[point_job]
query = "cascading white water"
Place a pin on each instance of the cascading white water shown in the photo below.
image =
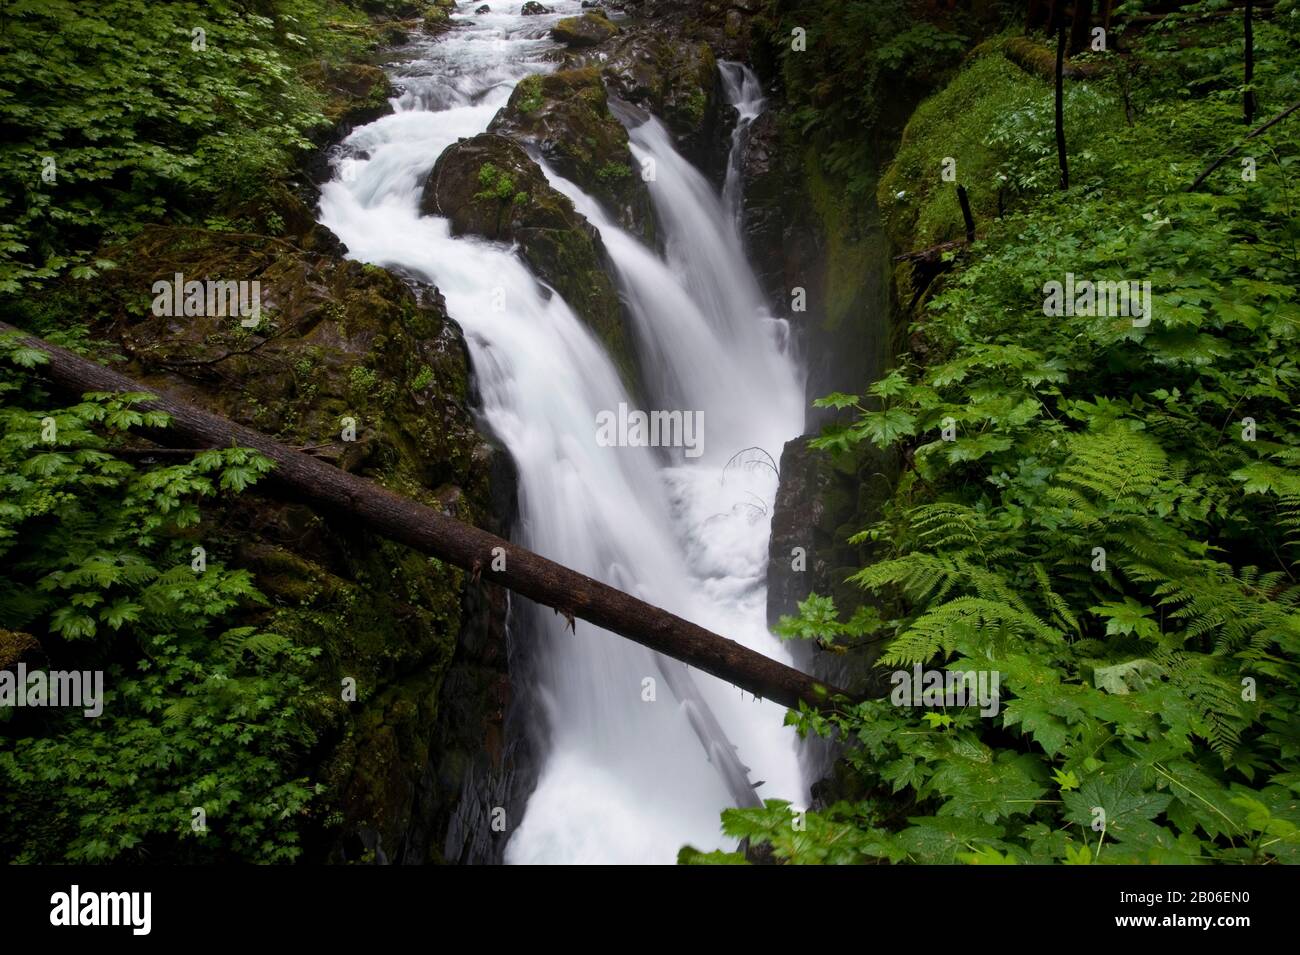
(624, 779)
(744, 93)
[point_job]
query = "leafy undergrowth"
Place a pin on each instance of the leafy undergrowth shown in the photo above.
(121, 111)
(197, 713)
(1104, 512)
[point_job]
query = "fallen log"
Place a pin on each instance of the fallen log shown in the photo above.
(933, 254)
(1036, 58)
(425, 529)
(1249, 136)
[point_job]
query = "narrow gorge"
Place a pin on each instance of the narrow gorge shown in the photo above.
(748, 309)
(635, 753)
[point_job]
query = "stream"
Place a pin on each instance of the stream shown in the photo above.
(639, 754)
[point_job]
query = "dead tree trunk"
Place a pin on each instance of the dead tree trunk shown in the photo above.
(425, 529)
(1081, 26)
(1061, 159)
(963, 200)
(1249, 104)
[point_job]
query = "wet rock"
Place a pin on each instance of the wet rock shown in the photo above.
(674, 78)
(590, 29)
(724, 26)
(489, 186)
(437, 20)
(357, 93)
(565, 117)
(801, 234)
(484, 9)
(764, 185)
(822, 500)
(532, 9)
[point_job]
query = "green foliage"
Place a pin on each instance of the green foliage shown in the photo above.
(495, 184)
(859, 54)
(613, 171)
(529, 92)
(1097, 525)
(116, 101)
(423, 378)
(96, 560)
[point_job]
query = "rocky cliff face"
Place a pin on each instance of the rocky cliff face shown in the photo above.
(812, 247)
(659, 60)
(342, 347)
(822, 501)
(800, 236)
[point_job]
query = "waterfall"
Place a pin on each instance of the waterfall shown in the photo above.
(744, 93)
(641, 754)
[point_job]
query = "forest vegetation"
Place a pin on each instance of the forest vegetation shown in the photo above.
(1104, 511)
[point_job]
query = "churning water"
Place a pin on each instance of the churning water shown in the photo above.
(623, 779)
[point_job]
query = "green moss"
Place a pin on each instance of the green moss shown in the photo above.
(530, 94)
(362, 379)
(848, 258)
(918, 207)
(612, 171)
(423, 378)
(495, 183)
(696, 104)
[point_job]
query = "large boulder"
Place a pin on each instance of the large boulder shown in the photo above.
(590, 29)
(488, 186)
(565, 116)
(676, 79)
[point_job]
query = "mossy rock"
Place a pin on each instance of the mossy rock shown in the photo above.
(336, 338)
(590, 29)
(918, 207)
(1037, 58)
(673, 77)
(488, 186)
(17, 647)
(437, 20)
(565, 116)
(356, 93)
